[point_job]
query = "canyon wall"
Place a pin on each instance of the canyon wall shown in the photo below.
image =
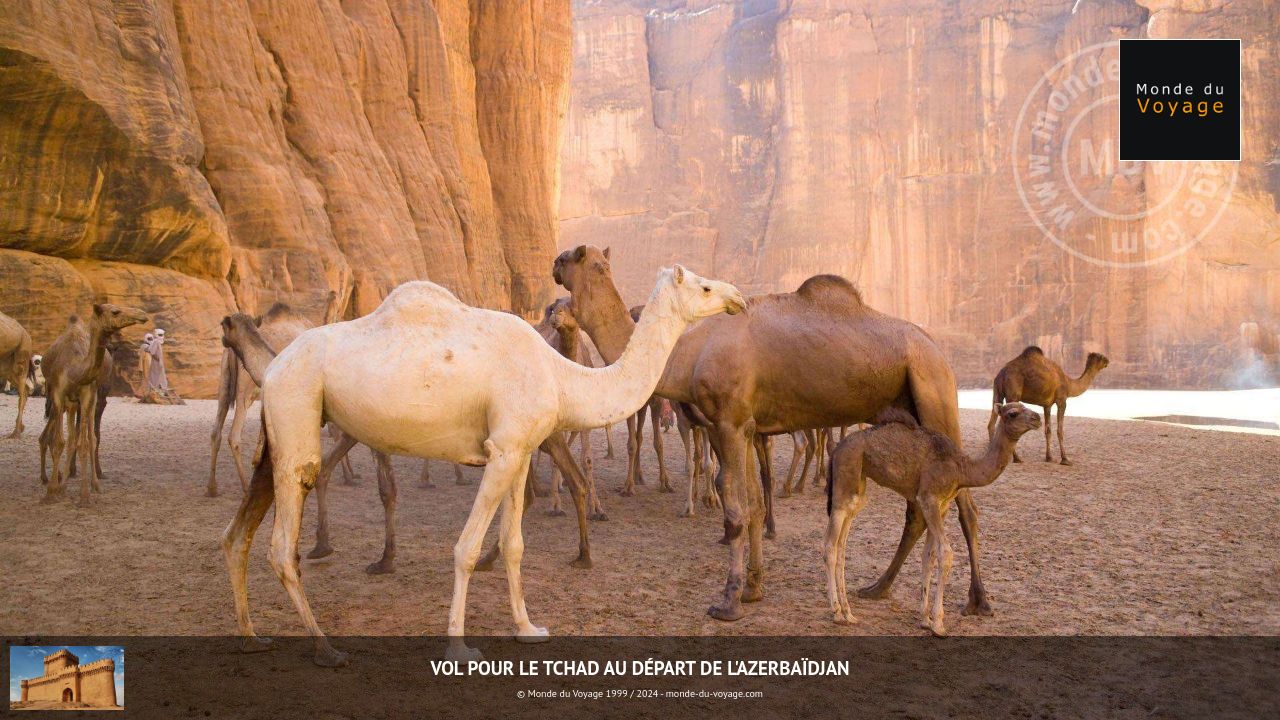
(764, 141)
(195, 157)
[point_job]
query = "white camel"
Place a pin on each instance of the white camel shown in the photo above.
(455, 383)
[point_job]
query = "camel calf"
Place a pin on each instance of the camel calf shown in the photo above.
(927, 469)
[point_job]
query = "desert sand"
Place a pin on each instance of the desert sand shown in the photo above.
(1156, 530)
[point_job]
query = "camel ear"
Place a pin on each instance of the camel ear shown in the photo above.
(98, 310)
(606, 253)
(579, 253)
(679, 274)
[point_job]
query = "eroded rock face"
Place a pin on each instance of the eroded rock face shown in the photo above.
(195, 157)
(764, 141)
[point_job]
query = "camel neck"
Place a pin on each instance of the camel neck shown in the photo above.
(605, 318)
(97, 351)
(1077, 385)
(568, 344)
(254, 353)
(985, 469)
(597, 397)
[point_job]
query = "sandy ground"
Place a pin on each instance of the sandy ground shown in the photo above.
(1157, 529)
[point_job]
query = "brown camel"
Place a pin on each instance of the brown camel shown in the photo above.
(241, 336)
(1034, 379)
(925, 468)
(560, 328)
(278, 326)
(755, 373)
(106, 378)
(15, 364)
(73, 368)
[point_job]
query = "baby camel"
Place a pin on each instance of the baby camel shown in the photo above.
(448, 389)
(927, 469)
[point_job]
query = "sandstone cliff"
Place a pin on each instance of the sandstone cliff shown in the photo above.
(764, 141)
(191, 157)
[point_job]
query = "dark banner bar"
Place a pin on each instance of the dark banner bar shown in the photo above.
(391, 677)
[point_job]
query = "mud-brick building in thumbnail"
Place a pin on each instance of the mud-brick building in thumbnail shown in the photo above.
(66, 680)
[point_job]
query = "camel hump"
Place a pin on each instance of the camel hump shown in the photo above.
(276, 310)
(892, 415)
(418, 296)
(830, 287)
(1031, 350)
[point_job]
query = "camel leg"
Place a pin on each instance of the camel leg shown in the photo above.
(733, 444)
(690, 469)
(424, 479)
(557, 447)
(46, 437)
(99, 409)
(84, 440)
(796, 444)
(937, 563)
(588, 467)
(847, 498)
(73, 440)
(810, 449)
(226, 394)
(968, 511)
(655, 422)
(243, 401)
(556, 510)
(1062, 413)
(291, 492)
(635, 431)
(54, 427)
(860, 502)
(911, 529)
(501, 476)
(764, 455)
(21, 360)
(1048, 438)
(512, 541)
(820, 455)
(458, 478)
(608, 442)
(337, 454)
(348, 473)
(235, 547)
(926, 581)
(386, 491)
(709, 466)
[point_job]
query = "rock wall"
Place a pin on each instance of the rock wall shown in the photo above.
(193, 157)
(763, 141)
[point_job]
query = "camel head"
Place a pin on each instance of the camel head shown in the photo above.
(1096, 360)
(697, 297)
(1017, 419)
(560, 315)
(237, 326)
(115, 317)
(579, 268)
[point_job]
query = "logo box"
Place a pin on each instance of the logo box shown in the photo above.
(1179, 99)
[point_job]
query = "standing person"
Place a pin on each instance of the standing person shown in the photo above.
(144, 362)
(156, 380)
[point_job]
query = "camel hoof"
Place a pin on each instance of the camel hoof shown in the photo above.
(382, 567)
(626, 492)
(320, 551)
(666, 489)
(428, 486)
(331, 658)
(727, 613)
(13, 436)
(687, 513)
(84, 503)
(582, 562)
(752, 594)
(770, 534)
(1017, 459)
(981, 609)
(533, 634)
(463, 482)
(49, 499)
(842, 617)
(873, 592)
(1067, 462)
(938, 630)
(783, 495)
(724, 540)
(211, 493)
(598, 517)
(255, 644)
(462, 653)
(556, 512)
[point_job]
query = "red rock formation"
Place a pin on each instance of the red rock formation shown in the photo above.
(192, 157)
(765, 141)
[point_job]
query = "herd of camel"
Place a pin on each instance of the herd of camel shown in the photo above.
(485, 388)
